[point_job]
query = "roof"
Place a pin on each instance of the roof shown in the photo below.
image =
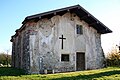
(79, 11)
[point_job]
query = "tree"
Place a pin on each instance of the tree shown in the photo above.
(113, 58)
(5, 58)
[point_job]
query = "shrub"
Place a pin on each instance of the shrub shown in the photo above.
(113, 58)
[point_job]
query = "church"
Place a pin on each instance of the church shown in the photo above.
(62, 40)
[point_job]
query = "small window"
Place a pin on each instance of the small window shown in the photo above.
(65, 57)
(79, 29)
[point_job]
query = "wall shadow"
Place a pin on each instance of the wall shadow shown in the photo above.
(9, 71)
(91, 76)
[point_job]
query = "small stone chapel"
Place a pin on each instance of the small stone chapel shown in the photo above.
(62, 40)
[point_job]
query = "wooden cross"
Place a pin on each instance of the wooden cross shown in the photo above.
(62, 40)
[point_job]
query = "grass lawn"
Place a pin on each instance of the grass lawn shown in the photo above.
(110, 73)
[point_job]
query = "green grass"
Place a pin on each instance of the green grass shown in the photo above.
(110, 73)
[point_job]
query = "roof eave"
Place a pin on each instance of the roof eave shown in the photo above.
(87, 17)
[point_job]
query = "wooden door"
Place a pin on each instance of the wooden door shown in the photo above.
(80, 61)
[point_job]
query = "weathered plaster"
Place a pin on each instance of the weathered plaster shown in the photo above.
(41, 47)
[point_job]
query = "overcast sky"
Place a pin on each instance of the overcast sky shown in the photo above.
(13, 12)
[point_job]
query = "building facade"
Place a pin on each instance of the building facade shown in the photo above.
(67, 39)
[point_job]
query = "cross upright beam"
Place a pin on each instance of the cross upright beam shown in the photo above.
(62, 38)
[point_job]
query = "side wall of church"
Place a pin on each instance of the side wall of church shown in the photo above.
(20, 51)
